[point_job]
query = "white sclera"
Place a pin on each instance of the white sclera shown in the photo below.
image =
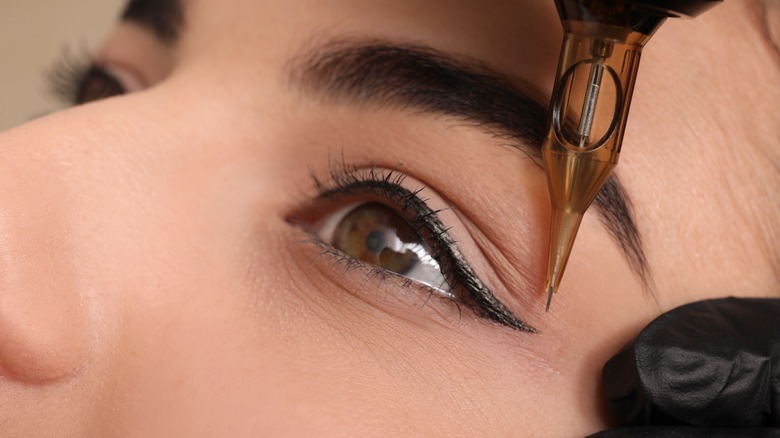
(426, 271)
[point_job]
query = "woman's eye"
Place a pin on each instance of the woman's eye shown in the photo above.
(376, 234)
(97, 84)
(75, 80)
(393, 230)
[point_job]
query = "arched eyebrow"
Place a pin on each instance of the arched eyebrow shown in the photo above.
(163, 17)
(423, 79)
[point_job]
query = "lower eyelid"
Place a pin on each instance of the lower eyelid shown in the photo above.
(363, 281)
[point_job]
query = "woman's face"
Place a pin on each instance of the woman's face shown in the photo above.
(328, 217)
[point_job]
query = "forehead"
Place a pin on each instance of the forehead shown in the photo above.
(505, 34)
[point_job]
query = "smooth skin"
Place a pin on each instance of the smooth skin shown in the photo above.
(152, 284)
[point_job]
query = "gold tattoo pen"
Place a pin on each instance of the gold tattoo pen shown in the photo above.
(602, 42)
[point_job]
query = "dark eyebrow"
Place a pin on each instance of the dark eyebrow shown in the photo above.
(423, 79)
(163, 17)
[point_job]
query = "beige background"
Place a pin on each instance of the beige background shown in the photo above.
(33, 35)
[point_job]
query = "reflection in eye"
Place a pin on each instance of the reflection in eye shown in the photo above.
(383, 226)
(376, 234)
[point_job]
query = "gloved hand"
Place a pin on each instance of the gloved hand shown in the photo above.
(710, 368)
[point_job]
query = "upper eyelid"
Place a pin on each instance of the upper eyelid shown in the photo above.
(131, 80)
(327, 227)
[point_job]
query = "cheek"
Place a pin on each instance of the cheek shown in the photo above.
(601, 306)
(375, 357)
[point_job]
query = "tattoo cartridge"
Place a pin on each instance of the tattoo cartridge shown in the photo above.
(602, 42)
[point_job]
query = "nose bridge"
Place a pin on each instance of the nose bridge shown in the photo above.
(43, 333)
(74, 191)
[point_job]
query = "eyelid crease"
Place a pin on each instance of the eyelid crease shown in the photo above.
(346, 180)
(130, 80)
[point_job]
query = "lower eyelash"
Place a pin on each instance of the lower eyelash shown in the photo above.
(372, 272)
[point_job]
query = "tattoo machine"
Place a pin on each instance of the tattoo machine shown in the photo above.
(602, 42)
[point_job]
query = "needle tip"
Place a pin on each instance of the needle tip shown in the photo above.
(550, 291)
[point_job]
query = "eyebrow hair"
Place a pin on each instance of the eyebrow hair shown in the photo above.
(415, 77)
(163, 17)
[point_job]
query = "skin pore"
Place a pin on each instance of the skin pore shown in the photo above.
(164, 271)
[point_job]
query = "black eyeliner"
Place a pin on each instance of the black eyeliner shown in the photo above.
(347, 180)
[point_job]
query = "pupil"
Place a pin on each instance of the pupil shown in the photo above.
(376, 241)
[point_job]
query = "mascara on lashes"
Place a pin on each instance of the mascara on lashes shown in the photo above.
(351, 181)
(76, 79)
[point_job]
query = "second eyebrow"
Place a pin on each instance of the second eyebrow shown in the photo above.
(163, 17)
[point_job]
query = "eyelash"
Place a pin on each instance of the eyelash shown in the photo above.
(71, 72)
(350, 181)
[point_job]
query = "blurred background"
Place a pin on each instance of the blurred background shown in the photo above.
(33, 36)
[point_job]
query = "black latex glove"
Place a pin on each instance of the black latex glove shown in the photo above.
(710, 368)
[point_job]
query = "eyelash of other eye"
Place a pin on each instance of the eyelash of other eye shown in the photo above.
(69, 74)
(346, 180)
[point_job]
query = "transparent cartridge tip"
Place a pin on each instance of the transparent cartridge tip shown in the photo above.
(596, 73)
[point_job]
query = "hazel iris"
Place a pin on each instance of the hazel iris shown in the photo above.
(376, 234)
